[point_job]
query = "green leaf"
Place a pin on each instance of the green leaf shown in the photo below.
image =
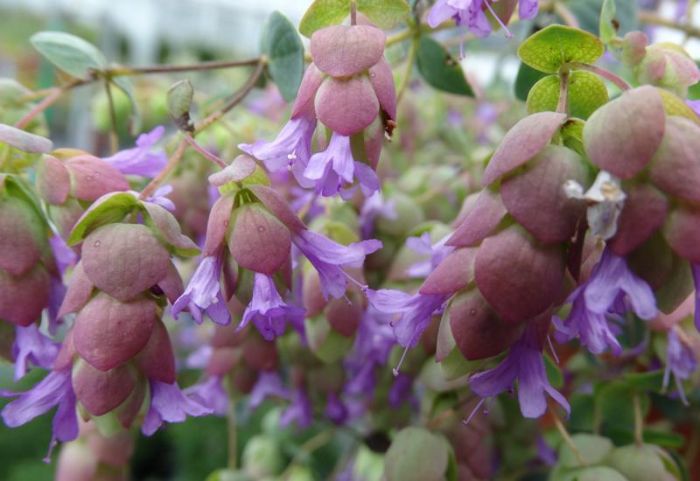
(664, 438)
(587, 93)
(607, 21)
(556, 379)
(285, 53)
(384, 13)
(125, 85)
(587, 12)
(323, 13)
(440, 69)
(527, 77)
(645, 381)
(69, 53)
(556, 45)
(110, 208)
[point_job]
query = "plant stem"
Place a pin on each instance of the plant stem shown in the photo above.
(232, 436)
(563, 105)
(314, 443)
(235, 100)
(638, 421)
(353, 12)
(154, 69)
(567, 439)
(52, 95)
(566, 14)
(208, 155)
(113, 136)
(410, 60)
(606, 74)
(163, 174)
(652, 18)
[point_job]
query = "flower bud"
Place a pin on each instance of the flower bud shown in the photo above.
(477, 330)
(535, 198)
(124, 260)
(639, 119)
(102, 391)
(667, 65)
(518, 276)
(108, 332)
(259, 241)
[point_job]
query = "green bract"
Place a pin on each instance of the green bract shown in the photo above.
(552, 47)
(322, 13)
(586, 94)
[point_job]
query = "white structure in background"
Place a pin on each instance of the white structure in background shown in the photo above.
(234, 25)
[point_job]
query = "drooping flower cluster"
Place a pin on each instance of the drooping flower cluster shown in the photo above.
(248, 256)
(349, 88)
(118, 351)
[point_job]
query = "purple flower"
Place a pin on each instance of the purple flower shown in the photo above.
(211, 394)
(411, 314)
(680, 361)
(436, 252)
(695, 105)
(610, 289)
(199, 358)
(54, 390)
(203, 293)
(159, 198)
(374, 207)
(268, 384)
(32, 347)
(373, 343)
(335, 167)
(169, 403)
(64, 255)
(524, 362)
(401, 390)
(329, 258)
(696, 278)
(471, 14)
(290, 150)
(141, 160)
(299, 411)
(335, 409)
(268, 311)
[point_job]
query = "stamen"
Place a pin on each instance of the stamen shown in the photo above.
(403, 357)
(551, 348)
(498, 19)
(473, 413)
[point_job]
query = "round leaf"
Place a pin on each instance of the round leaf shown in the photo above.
(586, 94)
(552, 47)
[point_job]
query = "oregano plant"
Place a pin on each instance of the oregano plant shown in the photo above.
(366, 262)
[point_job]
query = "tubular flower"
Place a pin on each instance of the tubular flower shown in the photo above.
(680, 362)
(349, 88)
(525, 364)
(255, 268)
(474, 14)
(609, 290)
(141, 160)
